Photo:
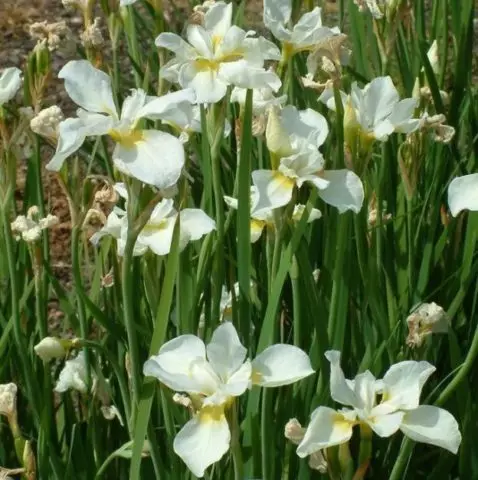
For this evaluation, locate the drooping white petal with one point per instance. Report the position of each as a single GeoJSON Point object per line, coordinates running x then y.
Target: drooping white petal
{"type": "Point", "coordinates": [327, 428]}
{"type": "Point", "coordinates": [203, 440]}
{"type": "Point", "coordinates": [112, 227]}
{"type": "Point", "coordinates": [403, 383]}
{"type": "Point", "coordinates": [195, 224]}
{"type": "Point", "coordinates": [243, 75]}
{"type": "Point", "coordinates": [433, 425]}
{"type": "Point", "coordinates": [88, 87]}
{"type": "Point", "coordinates": [70, 139]}
{"type": "Point", "coordinates": [160, 108]}
{"type": "Point", "coordinates": [209, 88]}
{"type": "Point", "coordinates": [345, 190]}
{"type": "Point", "coordinates": [10, 82]}
{"type": "Point", "coordinates": [340, 391]}
{"type": "Point", "coordinates": [225, 351]}
{"type": "Point", "coordinates": [157, 159]}
{"type": "Point", "coordinates": [463, 194]}
{"type": "Point", "coordinates": [158, 237]}
{"type": "Point", "coordinates": [274, 188]}
{"type": "Point", "coordinates": [279, 365]}
{"type": "Point", "coordinates": [172, 365]}
{"type": "Point", "coordinates": [385, 425]}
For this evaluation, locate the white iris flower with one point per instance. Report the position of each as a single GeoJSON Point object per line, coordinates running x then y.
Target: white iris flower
{"type": "Point", "coordinates": [463, 194]}
{"type": "Point", "coordinates": [305, 35]}
{"type": "Point", "coordinates": [293, 139]}
{"type": "Point", "coordinates": [157, 234]}
{"type": "Point", "coordinates": [263, 218]}
{"type": "Point", "coordinates": [217, 55]}
{"type": "Point", "coordinates": [10, 82]}
{"type": "Point", "coordinates": [213, 376]}
{"type": "Point", "coordinates": [376, 110]}
{"type": "Point", "coordinates": [151, 156]}
{"type": "Point", "coordinates": [398, 409]}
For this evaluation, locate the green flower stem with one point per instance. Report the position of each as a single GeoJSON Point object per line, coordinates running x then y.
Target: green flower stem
{"type": "Point", "coordinates": [22, 348]}
{"type": "Point", "coordinates": [365, 453]}
{"type": "Point", "coordinates": [77, 277]}
{"type": "Point", "coordinates": [244, 249]}
{"type": "Point", "coordinates": [296, 302]}
{"type": "Point", "coordinates": [159, 334]}
{"type": "Point", "coordinates": [346, 461]}
{"type": "Point", "coordinates": [267, 435]}
{"type": "Point", "coordinates": [236, 445]}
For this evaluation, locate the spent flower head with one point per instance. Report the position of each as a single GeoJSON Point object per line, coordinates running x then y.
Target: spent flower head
{"type": "Point", "coordinates": [213, 376]}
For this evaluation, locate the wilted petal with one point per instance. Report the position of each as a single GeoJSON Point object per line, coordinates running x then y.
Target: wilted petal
{"type": "Point", "coordinates": [463, 194]}
{"type": "Point", "coordinates": [403, 383]}
{"type": "Point", "coordinates": [173, 364]}
{"type": "Point", "coordinates": [345, 190]}
{"type": "Point", "coordinates": [10, 82]}
{"type": "Point", "coordinates": [73, 376]}
{"type": "Point", "coordinates": [340, 391]}
{"type": "Point", "coordinates": [156, 159]}
{"type": "Point", "coordinates": [203, 440]}
{"type": "Point", "coordinates": [88, 87]}
{"type": "Point", "coordinates": [275, 189]}
{"type": "Point", "coordinates": [327, 428]}
{"type": "Point", "coordinates": [280, 365]}
{"type": "Point", "coordinates": [433, 425]}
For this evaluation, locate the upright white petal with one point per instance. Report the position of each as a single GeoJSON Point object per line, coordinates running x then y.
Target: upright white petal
{"type": "Point", "coordinates": [308, 31]}
{"type": "Point", "coordinates": [158, 237]}
{"type": "Point", "coordinates": [225, 351]}
{"type": "Point", "coordinates": [10, 82]}
{"type": "Point", "coordinates": [112, 227]}
{"type": "Point", "coordinates": [433, 425]}
{"type": "Point", "coordinates": [402, 116]}
{"type": "Point", "coordinates": [172, 366]}
{"type": "Point", "coordinates": [463, 194]}
{"type": "Point", "coordinates": [403, 383]}
{"type": "Point", "coordinates": [277, 14]}
{"type": "Point", "coordinates": [307, 124]}
{"type": "Point", "coordinates": [327, 428]}
{"type": "Point", "coordinates": [345, 190]}
{"type": "Point", "coordinates": [218, 19]}
{"type": "Point", "coordinates": [380, 98]}
{"type": "Point", "coordinates": [156, 159]}
{"type": "Point", "coordinates": [88, 87]}
{"type": "Point", "coordinates": [203, 440]}
{"type": "Point", "coordinates": [279, 365]}
{"type": "Point", "coordinates": [340, 390]}
{"type": "Point", "coordinates": [274, 189]}
{"type": "Point", "coordinates": [364, 388]}
{"type": "Point", "coordinates": [133, 104]}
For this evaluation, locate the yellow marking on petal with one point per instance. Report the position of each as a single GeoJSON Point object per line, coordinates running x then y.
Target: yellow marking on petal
{"type": "Point", "coordinates": [213, 64]}
{"type": "Point", "coordinates": [256, 377]}
{"type": "Point", "coordinates": [341, 423]}
{"type": "Point", "coordinates": [211, 413]}
{"type": "Point", "coordinates": [126, 139]}
{"type": "Point", "coordinates": [283, 182]}
{"type": "Point", "coordinates": [155, 227]}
